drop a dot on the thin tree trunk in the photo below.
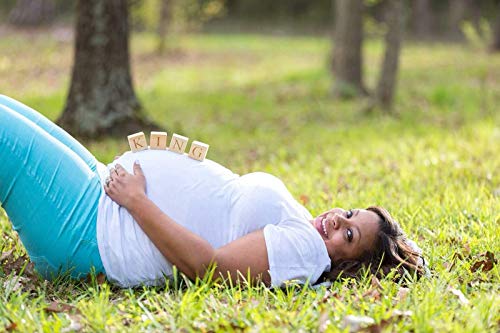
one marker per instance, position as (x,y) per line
(495,46)
(347,57)
(457,15)
(32,12)
(422,18)
(163,23)
(388,75)
(101,99)
(474,8)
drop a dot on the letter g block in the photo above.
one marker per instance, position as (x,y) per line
(198,150)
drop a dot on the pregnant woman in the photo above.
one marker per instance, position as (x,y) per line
(151,210)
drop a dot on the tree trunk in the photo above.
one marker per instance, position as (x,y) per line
(32,12)
(163,23)
(422,18)
(101,98)
(387,81)
(347,58)
(458,13)
(495,46)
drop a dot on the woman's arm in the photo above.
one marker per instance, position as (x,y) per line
(189,252)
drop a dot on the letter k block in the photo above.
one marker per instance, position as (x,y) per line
(137,142)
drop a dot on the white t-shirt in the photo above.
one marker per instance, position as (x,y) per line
(219,206)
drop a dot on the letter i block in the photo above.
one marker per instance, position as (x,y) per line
(137,142)
(158,140)
(178,143)
(198,150)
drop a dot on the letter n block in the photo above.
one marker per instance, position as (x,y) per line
(158,140)
(137,142)
(178,143)
(198,150)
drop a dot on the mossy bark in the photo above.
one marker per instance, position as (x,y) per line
(495,46)
(347,58)
(101,100)
(421,18)
(388,75)
(163,23)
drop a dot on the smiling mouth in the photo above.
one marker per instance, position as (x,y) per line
(323,225)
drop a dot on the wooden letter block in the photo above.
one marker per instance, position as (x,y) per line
(178,143)
(137,142)
(158,140)
(198,150)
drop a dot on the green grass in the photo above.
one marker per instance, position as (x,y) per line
(263,103)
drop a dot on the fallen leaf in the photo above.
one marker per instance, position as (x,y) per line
(376,283)
(10,327)
(402,294)
(460,295)
(329,295)
(100,278)
(396,315)
(375,328)
(29,270)
(456,256)
(324,321)
(6,255)
(75,324)
(357,323)
(57,307)
(486,262)
(375,290)
(127,322)
(466,248)
(304,199)
(15,283)
(373,293)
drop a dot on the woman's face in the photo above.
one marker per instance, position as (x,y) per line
(347,234)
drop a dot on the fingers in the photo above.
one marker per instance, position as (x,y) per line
(137,169)
(117,174)
(120,171)
(113,176)
(108,186)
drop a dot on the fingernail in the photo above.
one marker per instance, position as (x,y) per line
(136,162)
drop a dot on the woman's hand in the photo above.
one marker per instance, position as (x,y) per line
(125,188)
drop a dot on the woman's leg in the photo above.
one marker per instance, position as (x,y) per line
(50,195)
(50,128)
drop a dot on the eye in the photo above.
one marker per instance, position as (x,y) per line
(349,235)
(349,213)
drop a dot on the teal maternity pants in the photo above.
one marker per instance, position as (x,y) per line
(50,189)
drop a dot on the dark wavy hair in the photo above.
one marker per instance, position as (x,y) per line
(392,254)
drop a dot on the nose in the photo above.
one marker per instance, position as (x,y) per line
(338,220)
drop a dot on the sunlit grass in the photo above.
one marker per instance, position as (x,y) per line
(263,104)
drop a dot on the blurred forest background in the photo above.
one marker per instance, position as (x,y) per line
(102,100)
(432,19)
(350,102)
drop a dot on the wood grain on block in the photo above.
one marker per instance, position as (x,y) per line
(137,141)
(178,143)
(198,150)
(158,140)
